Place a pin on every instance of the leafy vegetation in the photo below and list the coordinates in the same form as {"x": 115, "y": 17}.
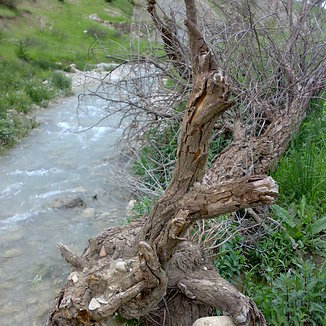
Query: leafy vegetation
{"x": 21, "y": 86}
{"x": 285, "y": 271}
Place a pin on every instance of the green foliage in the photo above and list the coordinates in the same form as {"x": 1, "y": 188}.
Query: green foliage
{"x": 21, "y": 51}
{"x": 6, "y": 12}
{"x": 39, "y": 94}
{"x": 14, "y": 126}
{"x": 304, "y": 226}
{"x": 61, "y": 82}
{"x": 230, "y": 260}
{"x": 21, "y": 85}
{"x": 142, "y": 207}
{"x": 296, "y": 297}
{"x": 124, "y": 322}
{"x": 302, "y": 171}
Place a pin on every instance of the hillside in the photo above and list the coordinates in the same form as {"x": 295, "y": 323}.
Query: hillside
{"x": 55, "y": 31}
{"x": 39, "y": 38}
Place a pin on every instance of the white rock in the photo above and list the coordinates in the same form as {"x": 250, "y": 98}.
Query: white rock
{"x": 89, "y": 213}
{"x": 131, "y": 205}
{"x": 102, "y": 252}
{"x": 214, "y": 321}
{"x": 95, "y": 17}
{"x": 121, "y": 266}
{"x": 11, "y": 253}
{"x": 94, "y": 304}
{"x": 73, "y": 276}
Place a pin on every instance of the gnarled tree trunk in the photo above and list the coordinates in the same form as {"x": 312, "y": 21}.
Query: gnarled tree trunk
{"x": 149, "y": 269}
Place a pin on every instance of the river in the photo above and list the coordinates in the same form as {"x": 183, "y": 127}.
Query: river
{"x": 55, "y": 161}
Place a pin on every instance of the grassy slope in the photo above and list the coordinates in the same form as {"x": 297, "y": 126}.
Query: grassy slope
{"x": 54, "y": 31}
{"x": 34, "y": 38}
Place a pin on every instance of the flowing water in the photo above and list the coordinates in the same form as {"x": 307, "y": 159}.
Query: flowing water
{"x": 54, "y": 161}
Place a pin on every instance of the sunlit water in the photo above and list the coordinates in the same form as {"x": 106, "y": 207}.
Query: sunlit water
{"x": 53, "y": 162}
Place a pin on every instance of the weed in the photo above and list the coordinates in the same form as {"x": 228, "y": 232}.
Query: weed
{"x": 21, "y": 51}
{"x": 302, "y": 170}
{"x": 296, "y": 297}
{"x": 39, "y": 94}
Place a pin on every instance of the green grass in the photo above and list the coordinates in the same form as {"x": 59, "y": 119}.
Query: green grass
{"x": 36, "y": 38}
{"x": 5, "y": 12}
{"x": 62, "y": 31}
{"x": 21, "y": 86}
{"x": 302, "y": 170}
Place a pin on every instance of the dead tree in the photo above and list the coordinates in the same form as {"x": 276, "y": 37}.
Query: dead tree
{"x": 131, "y": 269}
{"x": 150, "y": 269}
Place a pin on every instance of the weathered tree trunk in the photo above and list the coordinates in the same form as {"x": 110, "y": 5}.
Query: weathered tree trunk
{"x": 132, "y": 268}
{"x": 149, "y": 269}
{"x": 258, "y": 155}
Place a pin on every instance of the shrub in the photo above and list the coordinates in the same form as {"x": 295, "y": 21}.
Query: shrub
{"x": 60, "y": 81}
{"x": 39, "y": 94}
{"x": 296, "y": 297}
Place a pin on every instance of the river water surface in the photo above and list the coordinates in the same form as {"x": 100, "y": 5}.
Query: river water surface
{"x": 54, "y": 161}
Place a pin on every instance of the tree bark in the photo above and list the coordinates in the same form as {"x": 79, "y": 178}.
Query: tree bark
{"x": 258, "y": 155}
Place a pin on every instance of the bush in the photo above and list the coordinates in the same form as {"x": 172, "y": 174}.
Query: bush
{"x": 60, "y": 81}
{"x": 39, "y": 94}
{"x": 14, "y": 126}
{"x": 21, "y": 51}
